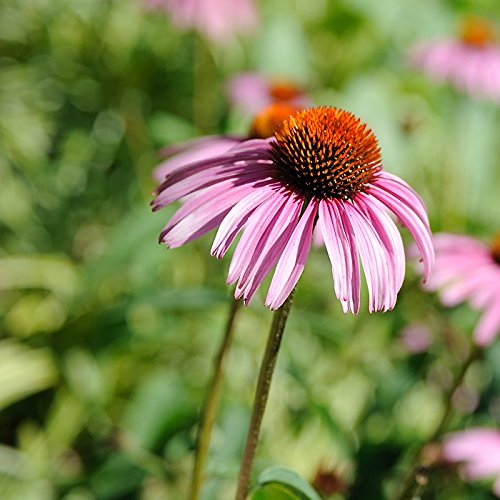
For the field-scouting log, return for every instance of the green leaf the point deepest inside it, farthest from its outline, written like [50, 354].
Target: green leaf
[161, 406]
[276, 483]
[24, 372]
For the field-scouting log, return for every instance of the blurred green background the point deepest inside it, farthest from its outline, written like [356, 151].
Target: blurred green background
[107, 339]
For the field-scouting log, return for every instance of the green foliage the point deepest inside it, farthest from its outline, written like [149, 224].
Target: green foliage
[282, 484]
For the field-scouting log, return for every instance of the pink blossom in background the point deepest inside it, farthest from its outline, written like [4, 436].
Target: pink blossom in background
[467, 270]
[416, 338]
[218, 20]
[251, 92]
[470, 63]
[323, 168]
[479, 450]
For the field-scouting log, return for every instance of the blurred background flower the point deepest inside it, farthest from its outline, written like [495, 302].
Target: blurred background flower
[467, 270]
[218, 20]
[471, 62]
[252, 92]
[478, 449]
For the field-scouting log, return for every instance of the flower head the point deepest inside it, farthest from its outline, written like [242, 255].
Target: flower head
[217, 20]
[471, 62]
[468, 270]
[252, 92]
[479, 450]
[322, 167]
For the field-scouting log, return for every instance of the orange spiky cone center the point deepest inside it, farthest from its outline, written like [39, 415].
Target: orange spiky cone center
[326, 153]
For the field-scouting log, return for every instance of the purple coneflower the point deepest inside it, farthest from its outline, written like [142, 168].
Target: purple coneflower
[322, 167]
[467, 270]
[252, 92]
[479, 450]
[217, 20]
[471, 63]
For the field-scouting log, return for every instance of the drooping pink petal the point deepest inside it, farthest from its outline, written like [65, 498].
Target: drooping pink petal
[292, 262]
[372, 257]
[356, 274]
[246, 246]
[191, 152]
[270, 246]
[252, 156]
[254, 237]
[403, 192]
[389, 236]
[238, 216]
[412, 221]
[203, 197]
[342, 254]
[240, 174]
[207, 216]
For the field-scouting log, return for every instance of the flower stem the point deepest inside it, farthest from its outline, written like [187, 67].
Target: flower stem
[211, 404]
[417, 477]
[261, 394]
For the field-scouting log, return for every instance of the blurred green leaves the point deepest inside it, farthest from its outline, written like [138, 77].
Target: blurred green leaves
[282, 484]
[160, 408]
[24, 371]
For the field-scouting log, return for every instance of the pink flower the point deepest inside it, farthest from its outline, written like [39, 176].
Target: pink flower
[471, 64]
[479, 449]
[467, 270]
[217, 20]
[322, 167]
[264, 125]
[252, 92]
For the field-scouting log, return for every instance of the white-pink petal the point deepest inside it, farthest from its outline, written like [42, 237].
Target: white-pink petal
[271, 244]
[412, 221]
[205, 217]
[292, 262]
[238, 216]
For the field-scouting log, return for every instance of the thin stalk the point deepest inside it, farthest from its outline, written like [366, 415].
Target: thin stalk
[417, 478]
[261, 394]
[212, 404]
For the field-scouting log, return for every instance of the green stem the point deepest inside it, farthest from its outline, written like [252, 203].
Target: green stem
[211, 405]
[261, 395]
[417, 478]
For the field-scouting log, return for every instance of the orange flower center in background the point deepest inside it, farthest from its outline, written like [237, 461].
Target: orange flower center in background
[283, 91]
[268, 121]
[327, 153]
[495, 248]
[477, 32]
